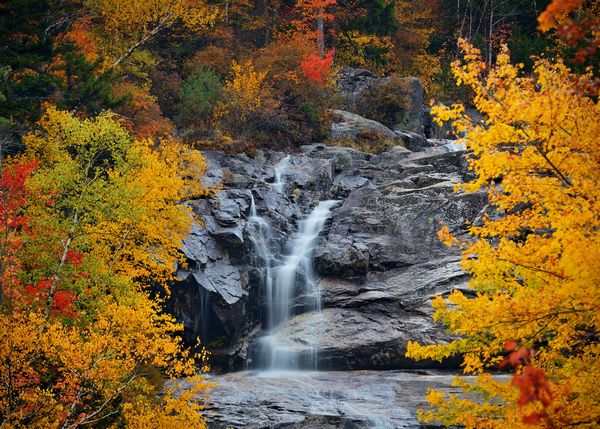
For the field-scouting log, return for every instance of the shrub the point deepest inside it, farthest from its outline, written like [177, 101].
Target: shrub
[302, 103]
[199, 98]
[214, 57]
[246, 89]
[394, 103]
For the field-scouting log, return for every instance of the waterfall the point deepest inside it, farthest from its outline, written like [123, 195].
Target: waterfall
[262, 238]
[280, 171]
[291, 283]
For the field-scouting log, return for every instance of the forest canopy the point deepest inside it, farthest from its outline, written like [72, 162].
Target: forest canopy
[105, 103]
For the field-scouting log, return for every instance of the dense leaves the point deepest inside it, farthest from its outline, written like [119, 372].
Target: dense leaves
[200, 95]
[91, 218]
[533, 259]
[93, 187]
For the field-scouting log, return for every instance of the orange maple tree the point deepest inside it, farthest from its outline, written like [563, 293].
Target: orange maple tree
[533, 261]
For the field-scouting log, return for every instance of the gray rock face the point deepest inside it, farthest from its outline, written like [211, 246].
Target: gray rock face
[393, 222]
[411, 90]
[379, 258]
[361, 338]
[413, 141]
[350, 400]
[353, 82]
[410, 289]
[349, 126]
[395, 102]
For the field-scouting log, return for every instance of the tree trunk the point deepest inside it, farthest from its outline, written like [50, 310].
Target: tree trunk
[320, 33]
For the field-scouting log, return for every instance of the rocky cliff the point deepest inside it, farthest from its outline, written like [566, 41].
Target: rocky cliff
[378, 259]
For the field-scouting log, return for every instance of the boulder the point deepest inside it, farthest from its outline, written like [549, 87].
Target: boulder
[344, 159]
[396, 102]
[349, 126]
[348, 258]
[413, 141]
[351, 339]
[410, 110]
[353, 82]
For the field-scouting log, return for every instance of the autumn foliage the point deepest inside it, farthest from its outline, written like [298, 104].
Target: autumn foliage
[316, 68]
[533, 260]
[94, 184]
[90, 218]
[577, 25]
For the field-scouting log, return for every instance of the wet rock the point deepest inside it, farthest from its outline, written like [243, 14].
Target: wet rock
[379, 257]
[410, 288]
[346, 183]
[223, 279]
[310, 174]
[347, 258]
[393, 222]
[211, 306]
[350, 339]
[349, 400]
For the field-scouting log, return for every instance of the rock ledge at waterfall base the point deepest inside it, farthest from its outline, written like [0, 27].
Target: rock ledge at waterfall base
[322, 400]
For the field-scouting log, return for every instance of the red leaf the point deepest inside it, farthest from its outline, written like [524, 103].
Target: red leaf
[316, 68]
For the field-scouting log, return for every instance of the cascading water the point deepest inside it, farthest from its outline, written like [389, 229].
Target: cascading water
[289, 283]
[292, 283]
[280, 170]
[262, 238]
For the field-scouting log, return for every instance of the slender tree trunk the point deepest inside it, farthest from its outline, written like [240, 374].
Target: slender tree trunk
[4, 245]
[320, 33]
[491, 35]
[61, 263]
[267, 34]
[470, 21]
[145, 37]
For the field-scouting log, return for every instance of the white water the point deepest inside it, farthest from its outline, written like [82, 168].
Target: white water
[449, 145]
[289, 282]
[455, 146]
[262, 238]
[298, 261]
[280, 171]
[257, 220]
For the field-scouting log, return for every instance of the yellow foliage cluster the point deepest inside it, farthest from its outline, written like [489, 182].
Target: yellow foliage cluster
[418, 22]
[534, 263]
[129, 25]
[134, 225]
[138, 17]
[247, 87]
[352, 48]
[116, 358]
[105, 219]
